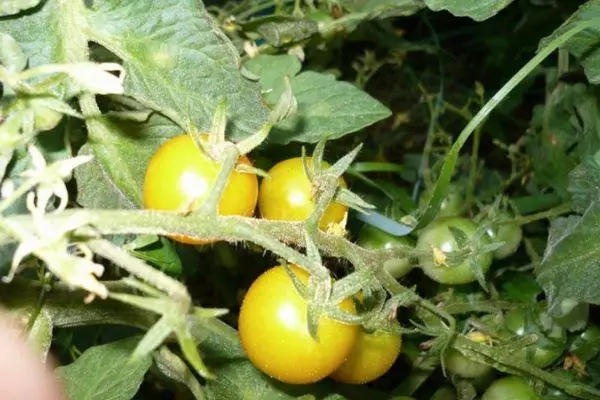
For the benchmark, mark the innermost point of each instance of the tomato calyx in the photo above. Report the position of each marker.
(321, 299)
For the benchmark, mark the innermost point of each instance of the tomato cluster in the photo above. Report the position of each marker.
(274, 333)
(272, 323)
(180, 176)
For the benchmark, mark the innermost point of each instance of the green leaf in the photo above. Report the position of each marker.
(521, 287)
(161, 254)
(37, 33)
(478, 10)
(584, 45)
(553, 133)
(272, 69)
(121, 152)
(280, 30)
(584, 183)
(384, 8)
(178, 62)
(327, 109)
(10, 7)
(173, 367)
(570, 268)
(40, 334)
(11, 55)
(105, 372)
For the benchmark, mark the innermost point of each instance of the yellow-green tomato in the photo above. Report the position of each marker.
(372, 356)
(510, 388)
(376, 239)
(436, 241)
(274, 333)
(287, 194)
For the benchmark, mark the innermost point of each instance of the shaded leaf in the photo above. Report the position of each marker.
(384, 8)
(121, 149)
(272, 70)
(11, 55)
(584, 183)
(288, 31)
(583, 45)
(37, 33)
(570, 267)
(173, 367)
(478, 10)
(9, 7)
(178, 62)
(105, 372)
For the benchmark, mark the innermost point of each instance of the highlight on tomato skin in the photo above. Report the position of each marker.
(273, 330)
(287, 195)
(180, 177)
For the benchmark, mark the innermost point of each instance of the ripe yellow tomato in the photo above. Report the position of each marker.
(287, 195)
(274, 333)
(372, 356)
(180, 177)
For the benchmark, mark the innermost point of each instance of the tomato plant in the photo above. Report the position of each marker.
(274, 332)
(180, 177)
(372, 356)
(510, 388)
(373, 238)
(437, 241)
(287, 194)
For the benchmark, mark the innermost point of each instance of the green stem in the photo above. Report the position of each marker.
(227, 164)
(474, 163)
(547, 214)
(329, 185)
(140, 269)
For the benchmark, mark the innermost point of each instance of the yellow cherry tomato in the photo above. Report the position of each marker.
(274, 333)
(373, 355)
(180, 177)
(287, 194)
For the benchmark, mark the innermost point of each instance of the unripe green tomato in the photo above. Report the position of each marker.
(587, 345)
(376, 239)
(444, 393)
(438, 238)
(510, 388)
(457, 364)
(548, 347)
(451, 204)
(510, 234)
